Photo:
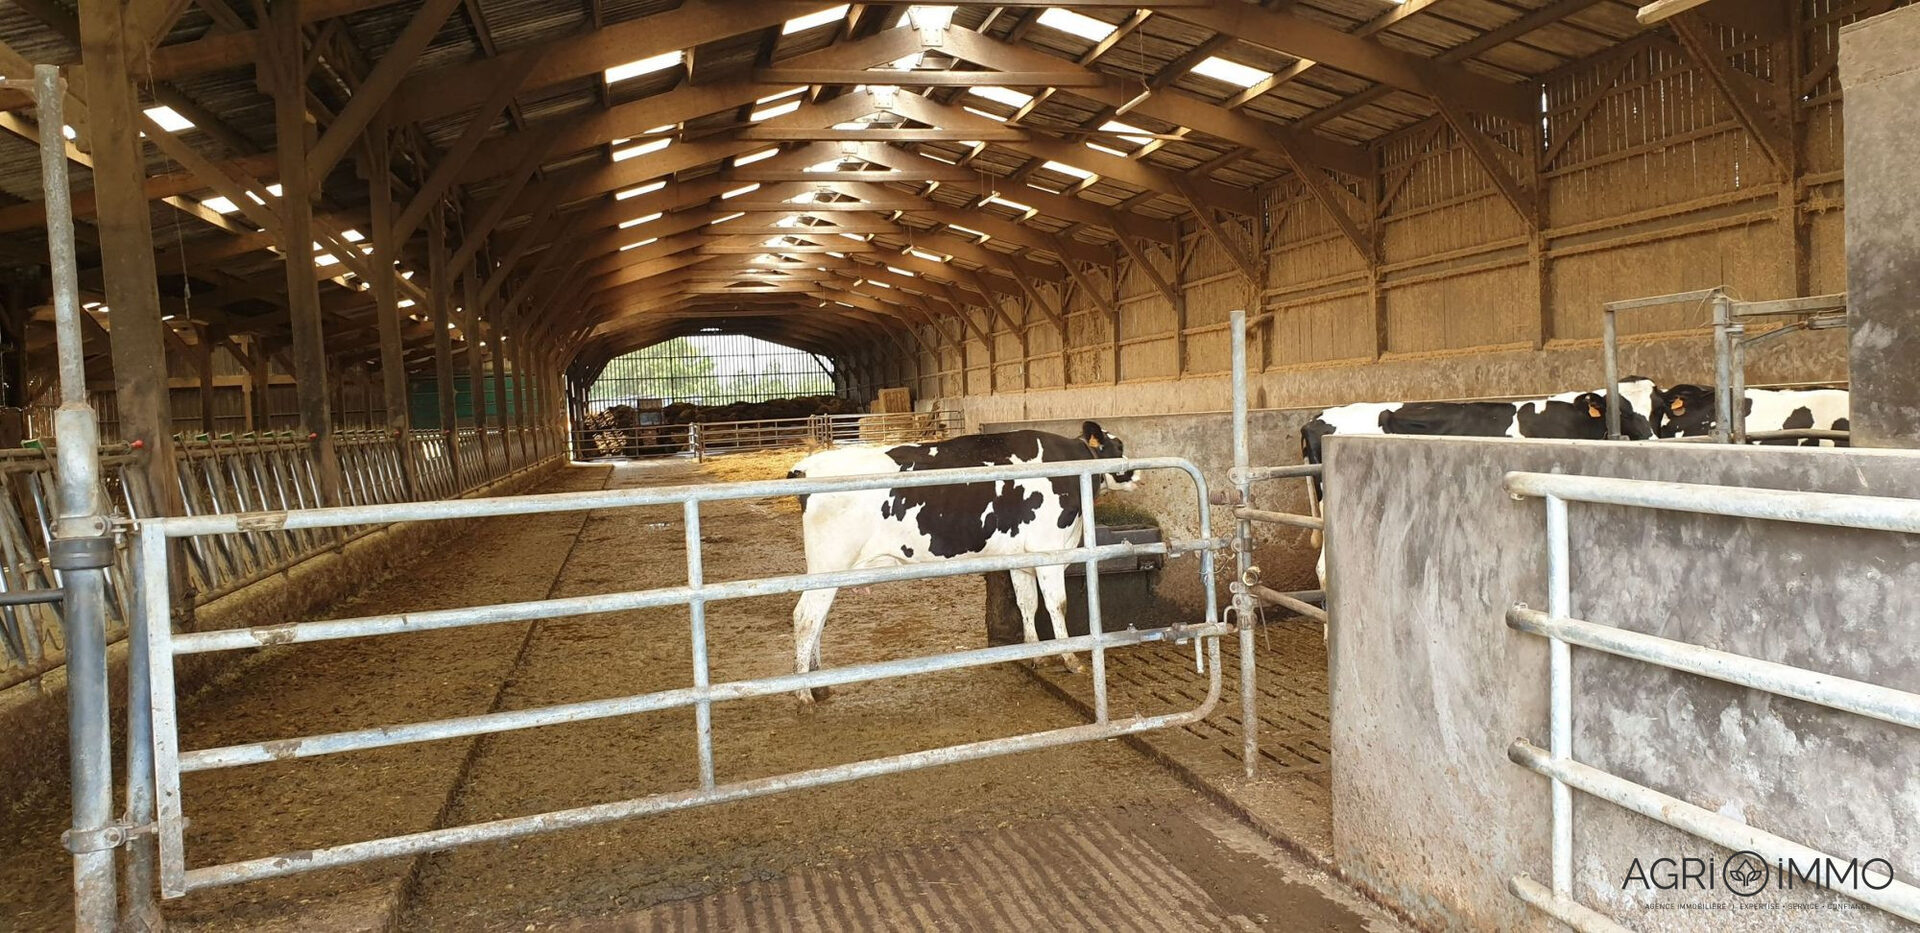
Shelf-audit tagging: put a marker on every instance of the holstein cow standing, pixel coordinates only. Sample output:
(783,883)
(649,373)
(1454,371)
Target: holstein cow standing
(928,524)
(1687,411)
(1569,415)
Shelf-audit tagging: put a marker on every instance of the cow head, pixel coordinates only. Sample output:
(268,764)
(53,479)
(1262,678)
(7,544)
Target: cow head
(1106,447)
(1684,410)
(1593,407)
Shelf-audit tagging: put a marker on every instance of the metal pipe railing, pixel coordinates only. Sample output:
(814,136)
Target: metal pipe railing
(1872,513)
(220,475)
(1730,343)
(163,647)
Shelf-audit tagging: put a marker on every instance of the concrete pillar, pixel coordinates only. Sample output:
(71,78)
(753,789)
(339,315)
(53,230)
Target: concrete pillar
(1880,71)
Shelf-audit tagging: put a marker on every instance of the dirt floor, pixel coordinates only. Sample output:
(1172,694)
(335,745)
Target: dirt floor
(795,850)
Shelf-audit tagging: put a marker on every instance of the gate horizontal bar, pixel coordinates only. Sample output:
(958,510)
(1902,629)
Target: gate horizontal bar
(181,526)
(1895,897)
(1289,601)
(1874,513)
(274,866)
(1564,909)
(1871,700)
(397,623)
(1237,475)
(382,736)
(1280,518)
(1628,304)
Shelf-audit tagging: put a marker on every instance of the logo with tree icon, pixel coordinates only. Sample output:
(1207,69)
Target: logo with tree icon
(1745,873)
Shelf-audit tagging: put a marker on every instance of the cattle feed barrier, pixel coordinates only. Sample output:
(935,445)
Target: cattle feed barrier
(1730,343)
(157,822)
(1563,631)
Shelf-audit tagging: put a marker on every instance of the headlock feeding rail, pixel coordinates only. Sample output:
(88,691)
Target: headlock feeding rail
(156,785)
(1874,513)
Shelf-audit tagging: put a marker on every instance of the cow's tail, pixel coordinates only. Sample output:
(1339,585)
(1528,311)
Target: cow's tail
(1310,453)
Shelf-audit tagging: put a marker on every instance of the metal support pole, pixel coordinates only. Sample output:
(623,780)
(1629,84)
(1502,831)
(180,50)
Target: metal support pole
(1737,390)
(82,547)
(1560,692)
(1723,400)
(1610,341)
(697,611)
(1243,604)
(141,910)
(1090,535)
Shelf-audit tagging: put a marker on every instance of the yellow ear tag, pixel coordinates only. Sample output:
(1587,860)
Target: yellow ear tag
(1093,443)
(1593,411)
(1679,406)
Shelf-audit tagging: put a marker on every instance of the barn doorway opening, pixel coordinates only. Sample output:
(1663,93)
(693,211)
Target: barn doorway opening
(710,370)
(746,391)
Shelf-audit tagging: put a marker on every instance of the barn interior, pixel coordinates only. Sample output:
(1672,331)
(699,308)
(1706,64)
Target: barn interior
(417,260)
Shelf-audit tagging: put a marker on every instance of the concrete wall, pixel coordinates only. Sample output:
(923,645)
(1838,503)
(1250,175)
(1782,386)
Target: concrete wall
(1429,686)
(1882,75)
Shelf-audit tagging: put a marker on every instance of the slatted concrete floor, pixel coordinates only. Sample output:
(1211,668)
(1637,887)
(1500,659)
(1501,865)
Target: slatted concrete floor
(1291,793)
(1127,870)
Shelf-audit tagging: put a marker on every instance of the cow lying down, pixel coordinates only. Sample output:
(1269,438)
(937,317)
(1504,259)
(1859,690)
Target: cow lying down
(1686,410)
(1567,416)
(928,524)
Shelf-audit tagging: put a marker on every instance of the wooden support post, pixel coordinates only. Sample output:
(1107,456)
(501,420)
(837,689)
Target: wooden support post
(138,344)
(287,67)
(476,370)
(440,299)
(261,372)
(1180,306)
(518,348)
(500,385)
(203,361)
(386,306)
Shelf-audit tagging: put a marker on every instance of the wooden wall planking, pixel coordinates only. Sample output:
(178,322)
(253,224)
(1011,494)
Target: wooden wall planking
(1653,185)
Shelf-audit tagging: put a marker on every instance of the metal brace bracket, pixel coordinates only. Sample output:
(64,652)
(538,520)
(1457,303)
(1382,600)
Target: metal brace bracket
(110,836)
(89,552)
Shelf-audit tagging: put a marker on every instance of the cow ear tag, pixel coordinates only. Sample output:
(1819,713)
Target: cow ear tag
(1593,411)
(1679,406)
(1093,443)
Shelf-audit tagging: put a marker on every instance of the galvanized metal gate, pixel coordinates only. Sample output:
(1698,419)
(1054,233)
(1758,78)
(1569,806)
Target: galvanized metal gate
(154,780)
(1563,632)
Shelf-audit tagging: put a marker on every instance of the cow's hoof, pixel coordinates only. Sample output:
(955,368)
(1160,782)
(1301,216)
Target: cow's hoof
(822,693)
(1072,662)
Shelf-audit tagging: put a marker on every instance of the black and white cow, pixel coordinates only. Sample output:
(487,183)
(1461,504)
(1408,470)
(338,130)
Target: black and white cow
(1686,410)
(928,524)
(1569,415)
